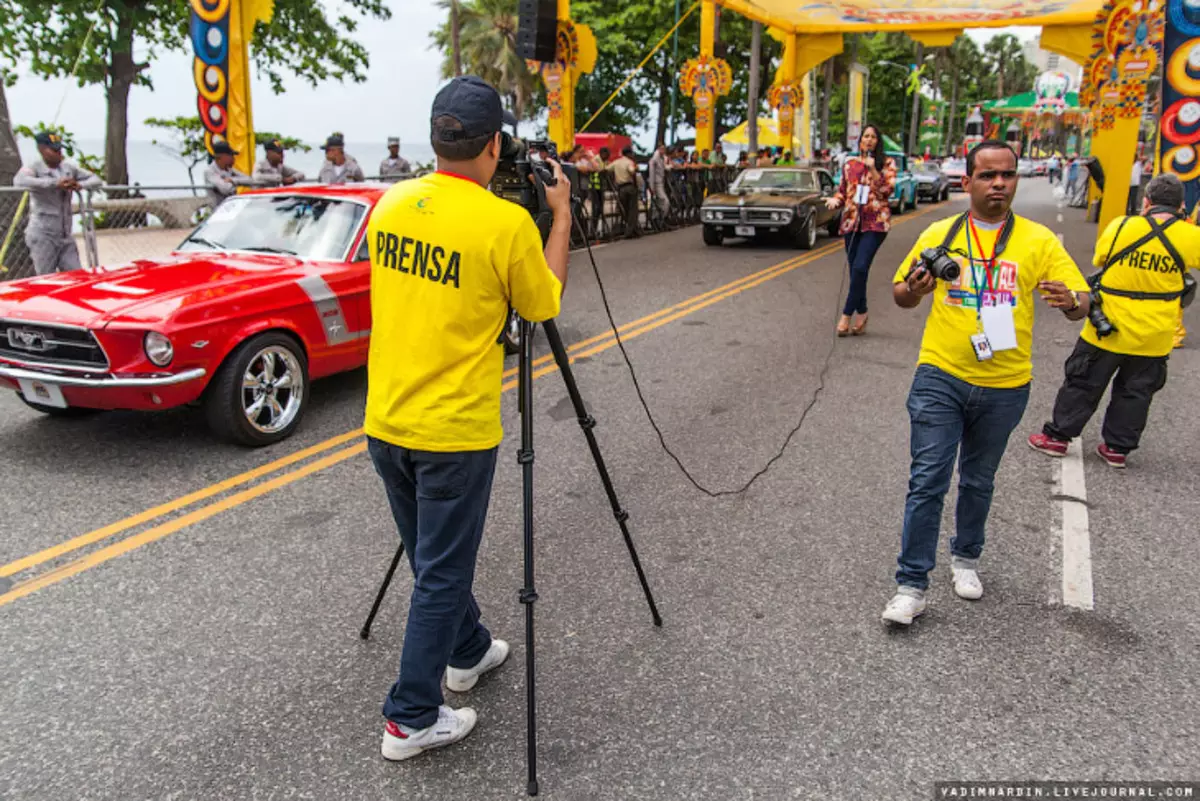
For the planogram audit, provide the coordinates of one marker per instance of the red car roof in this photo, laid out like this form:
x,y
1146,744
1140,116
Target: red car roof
x,y
369,192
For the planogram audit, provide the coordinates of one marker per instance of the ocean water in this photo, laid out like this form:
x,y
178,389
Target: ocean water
x,y
153,166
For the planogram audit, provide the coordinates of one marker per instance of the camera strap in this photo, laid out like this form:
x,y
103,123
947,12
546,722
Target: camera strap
x,y
1001,240
1158,231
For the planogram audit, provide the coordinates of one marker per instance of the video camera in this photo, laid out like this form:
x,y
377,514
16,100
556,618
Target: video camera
x,y
512,180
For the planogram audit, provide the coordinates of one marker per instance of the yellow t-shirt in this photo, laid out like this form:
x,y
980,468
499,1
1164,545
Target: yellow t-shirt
x,y
1144,327
447,259
1033,254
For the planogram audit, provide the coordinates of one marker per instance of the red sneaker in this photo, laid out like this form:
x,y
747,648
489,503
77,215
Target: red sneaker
x,y
1048,445
1111,457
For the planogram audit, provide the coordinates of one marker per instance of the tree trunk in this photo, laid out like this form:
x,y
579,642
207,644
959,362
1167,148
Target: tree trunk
x,y
1000,80
457,55
752,105
664,102
953,107
17,255
122,71
826,97
915,125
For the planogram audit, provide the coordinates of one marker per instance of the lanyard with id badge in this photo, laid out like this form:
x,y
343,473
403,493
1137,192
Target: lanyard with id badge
x,y
997,326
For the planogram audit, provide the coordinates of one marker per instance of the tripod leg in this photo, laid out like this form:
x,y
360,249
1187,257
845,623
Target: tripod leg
x,y
528,594
383,588
588,423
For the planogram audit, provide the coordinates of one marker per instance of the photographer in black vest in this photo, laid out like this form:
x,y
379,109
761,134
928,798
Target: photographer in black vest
x,y
1137,295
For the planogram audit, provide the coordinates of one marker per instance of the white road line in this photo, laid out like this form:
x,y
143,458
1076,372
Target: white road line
x,y
1060,217
1076,539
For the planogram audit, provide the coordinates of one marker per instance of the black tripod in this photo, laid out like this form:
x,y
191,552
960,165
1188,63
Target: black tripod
x,y
525,457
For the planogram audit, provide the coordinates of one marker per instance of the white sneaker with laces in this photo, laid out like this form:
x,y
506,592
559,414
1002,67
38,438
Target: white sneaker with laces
x,y
460,680
906,604
401,742
967,584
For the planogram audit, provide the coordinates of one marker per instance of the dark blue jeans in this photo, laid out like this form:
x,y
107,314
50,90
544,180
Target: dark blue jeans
x,y
952,418
440,502
860,252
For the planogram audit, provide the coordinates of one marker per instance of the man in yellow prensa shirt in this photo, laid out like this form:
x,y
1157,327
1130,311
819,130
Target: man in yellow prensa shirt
x,y
1144,260
973,375
448,258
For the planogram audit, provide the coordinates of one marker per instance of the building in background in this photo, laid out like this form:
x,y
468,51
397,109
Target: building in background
x,y
1052,62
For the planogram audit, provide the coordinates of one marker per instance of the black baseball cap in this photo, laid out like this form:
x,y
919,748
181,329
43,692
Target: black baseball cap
x,y
274,146
50,140
335,140
222,148
474,103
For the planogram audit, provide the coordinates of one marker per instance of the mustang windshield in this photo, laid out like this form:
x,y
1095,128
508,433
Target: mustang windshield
x,y
926,169
294,225
754,180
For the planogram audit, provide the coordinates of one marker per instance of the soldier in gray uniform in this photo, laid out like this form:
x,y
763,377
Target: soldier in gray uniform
x,y
271,171
221,176
50,185
338,167
394,166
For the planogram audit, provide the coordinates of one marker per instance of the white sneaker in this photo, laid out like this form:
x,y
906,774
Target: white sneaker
x,y
905,605
460,680
967,584
401,742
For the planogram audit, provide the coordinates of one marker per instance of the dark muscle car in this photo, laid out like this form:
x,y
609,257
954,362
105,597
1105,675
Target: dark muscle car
x,y
786,202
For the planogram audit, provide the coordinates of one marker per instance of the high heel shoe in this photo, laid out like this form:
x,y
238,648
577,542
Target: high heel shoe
x,y
843,326
861,327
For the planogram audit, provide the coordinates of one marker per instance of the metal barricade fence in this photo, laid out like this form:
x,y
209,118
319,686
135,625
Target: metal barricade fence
x,y
118,224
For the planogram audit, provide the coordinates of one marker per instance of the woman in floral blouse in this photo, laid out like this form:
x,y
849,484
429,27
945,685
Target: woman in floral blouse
x,y
868,180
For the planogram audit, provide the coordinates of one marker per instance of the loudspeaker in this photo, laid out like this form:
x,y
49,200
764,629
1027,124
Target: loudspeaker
x,y
537,29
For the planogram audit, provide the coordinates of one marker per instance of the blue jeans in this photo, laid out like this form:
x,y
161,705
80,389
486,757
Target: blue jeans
x,y
860,252
951,417
439,502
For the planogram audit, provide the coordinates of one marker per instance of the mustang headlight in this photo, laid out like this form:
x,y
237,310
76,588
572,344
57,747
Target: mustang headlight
x,y
775,216
159,349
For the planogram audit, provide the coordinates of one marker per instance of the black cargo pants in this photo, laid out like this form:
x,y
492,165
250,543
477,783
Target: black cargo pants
x,y
1089,370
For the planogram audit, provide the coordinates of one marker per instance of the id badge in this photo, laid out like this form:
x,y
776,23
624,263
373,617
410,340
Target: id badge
x,y
999,326
862,195
981,346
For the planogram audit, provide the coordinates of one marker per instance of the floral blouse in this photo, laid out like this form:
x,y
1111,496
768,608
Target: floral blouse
x,y
877,212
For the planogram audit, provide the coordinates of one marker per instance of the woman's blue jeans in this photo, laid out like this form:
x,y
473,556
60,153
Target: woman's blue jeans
x,y
861,247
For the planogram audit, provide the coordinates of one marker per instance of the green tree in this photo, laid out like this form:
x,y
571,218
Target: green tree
x,y
487,47
1004,55
93,164
303,39
185,141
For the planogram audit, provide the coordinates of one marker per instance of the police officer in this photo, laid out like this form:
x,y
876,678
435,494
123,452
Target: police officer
x,y
448,259
50,184
625,174
338,167
222,177
1144,261
394,165
271,171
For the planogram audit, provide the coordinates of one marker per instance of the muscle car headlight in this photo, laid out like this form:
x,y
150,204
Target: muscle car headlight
x,y
708,215
159,349
775,216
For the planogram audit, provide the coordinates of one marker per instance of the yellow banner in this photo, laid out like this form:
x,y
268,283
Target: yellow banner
x,y
910,15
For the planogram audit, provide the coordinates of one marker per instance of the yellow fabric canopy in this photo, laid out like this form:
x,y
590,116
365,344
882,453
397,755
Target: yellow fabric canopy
x,y
768,136
852,16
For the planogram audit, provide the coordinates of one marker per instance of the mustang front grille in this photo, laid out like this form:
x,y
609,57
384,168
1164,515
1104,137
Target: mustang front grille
x,y
50,345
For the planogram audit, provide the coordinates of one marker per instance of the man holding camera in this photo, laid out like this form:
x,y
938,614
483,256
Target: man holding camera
x,y
984,270
448,259
1144,263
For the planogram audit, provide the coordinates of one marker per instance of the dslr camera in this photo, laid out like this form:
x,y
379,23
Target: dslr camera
x,y
937,262
512,180
1096,315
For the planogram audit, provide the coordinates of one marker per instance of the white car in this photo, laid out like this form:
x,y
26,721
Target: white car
x,y
1025,168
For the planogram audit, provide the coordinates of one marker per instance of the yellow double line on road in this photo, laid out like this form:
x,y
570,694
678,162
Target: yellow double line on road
x,y
542,366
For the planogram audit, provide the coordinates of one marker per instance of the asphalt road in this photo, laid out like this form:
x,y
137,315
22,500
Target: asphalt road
x,y
209,649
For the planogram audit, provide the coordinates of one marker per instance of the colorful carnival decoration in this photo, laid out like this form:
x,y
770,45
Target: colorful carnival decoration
x,y
1050,90
575,55
220,31
785,98
1179,124
705,78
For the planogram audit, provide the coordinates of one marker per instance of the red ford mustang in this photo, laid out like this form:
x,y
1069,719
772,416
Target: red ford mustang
x,y
269,293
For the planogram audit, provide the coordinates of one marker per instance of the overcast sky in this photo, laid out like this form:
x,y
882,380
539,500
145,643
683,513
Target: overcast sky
x,y
394,100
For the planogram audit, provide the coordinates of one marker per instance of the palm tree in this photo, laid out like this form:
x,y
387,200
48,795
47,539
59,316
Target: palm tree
x,y
1002,52
487,47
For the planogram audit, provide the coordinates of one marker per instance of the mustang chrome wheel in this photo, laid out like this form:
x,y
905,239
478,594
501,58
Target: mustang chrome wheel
x,y
272,389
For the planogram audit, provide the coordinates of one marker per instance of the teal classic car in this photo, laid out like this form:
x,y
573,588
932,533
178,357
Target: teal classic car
x,y
905,195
